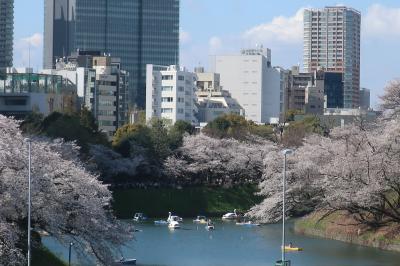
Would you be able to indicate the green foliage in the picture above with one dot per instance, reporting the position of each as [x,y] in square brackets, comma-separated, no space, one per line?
[130,131]
[237,127]
[298,130]
[32,124]
[87,120]
[290,114]
[142,117]
[263,131]
[155,141]
[187,202]
[80,127]
[228,126]
[182,127]
[160,139]
[70,128]
[310,124]
[177,131]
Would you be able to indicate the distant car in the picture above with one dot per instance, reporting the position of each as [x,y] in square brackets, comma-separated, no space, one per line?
[139,217]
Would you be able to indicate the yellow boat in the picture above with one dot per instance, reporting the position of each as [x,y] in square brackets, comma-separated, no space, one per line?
[289,248]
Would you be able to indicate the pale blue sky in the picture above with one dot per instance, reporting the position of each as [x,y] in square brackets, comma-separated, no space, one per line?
[224,26]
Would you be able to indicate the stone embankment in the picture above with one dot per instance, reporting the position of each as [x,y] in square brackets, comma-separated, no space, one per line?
[342,227]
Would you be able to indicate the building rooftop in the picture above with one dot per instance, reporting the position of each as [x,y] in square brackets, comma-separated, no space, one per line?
[334,7]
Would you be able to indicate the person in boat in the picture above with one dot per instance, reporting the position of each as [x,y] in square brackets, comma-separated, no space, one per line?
[209,222]
[290,245]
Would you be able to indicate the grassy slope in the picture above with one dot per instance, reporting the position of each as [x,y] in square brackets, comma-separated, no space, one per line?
[43,257]
[187,202]
[340,226]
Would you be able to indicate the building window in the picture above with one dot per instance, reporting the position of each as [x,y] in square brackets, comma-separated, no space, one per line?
[166,110]
[167,99]
[106,113]
[16,102]
[167,77]
[181,100]
[166,88]
[181,89]
[181,78]
[180,111]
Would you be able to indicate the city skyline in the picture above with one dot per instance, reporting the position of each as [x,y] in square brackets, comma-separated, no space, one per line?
[278,28]
[139,32]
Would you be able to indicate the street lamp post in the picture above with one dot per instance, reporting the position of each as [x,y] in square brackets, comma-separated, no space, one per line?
[29,201]
[285,153]
[69,254]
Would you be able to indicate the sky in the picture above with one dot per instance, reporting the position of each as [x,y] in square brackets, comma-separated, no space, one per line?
[225,26]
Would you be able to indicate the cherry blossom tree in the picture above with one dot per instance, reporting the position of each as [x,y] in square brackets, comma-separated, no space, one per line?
[391,99]
[356,170]
[226,160]
[68,202]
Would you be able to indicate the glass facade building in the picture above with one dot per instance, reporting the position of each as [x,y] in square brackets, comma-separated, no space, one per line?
[139,32]
[334,89]
[6,33]
[332,42]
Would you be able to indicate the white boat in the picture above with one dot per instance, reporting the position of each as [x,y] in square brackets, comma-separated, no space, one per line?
[139,217]
[174,218]
[210,227]
[174,225]
[200,220]
[230,215]
[123,261]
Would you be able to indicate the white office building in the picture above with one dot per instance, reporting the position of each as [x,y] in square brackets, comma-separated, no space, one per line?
[251,79]
[171,94]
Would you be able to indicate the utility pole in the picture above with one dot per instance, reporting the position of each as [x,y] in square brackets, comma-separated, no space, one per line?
[29,201]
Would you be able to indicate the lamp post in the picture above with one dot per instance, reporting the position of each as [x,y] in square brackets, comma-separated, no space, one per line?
[285,153]
[29,201]
[69,254]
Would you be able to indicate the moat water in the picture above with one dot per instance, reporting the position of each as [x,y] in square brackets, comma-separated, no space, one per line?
[233,245]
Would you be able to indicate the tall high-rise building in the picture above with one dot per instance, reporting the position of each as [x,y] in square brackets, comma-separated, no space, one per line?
[139,32]
[332,42]
[6,33]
